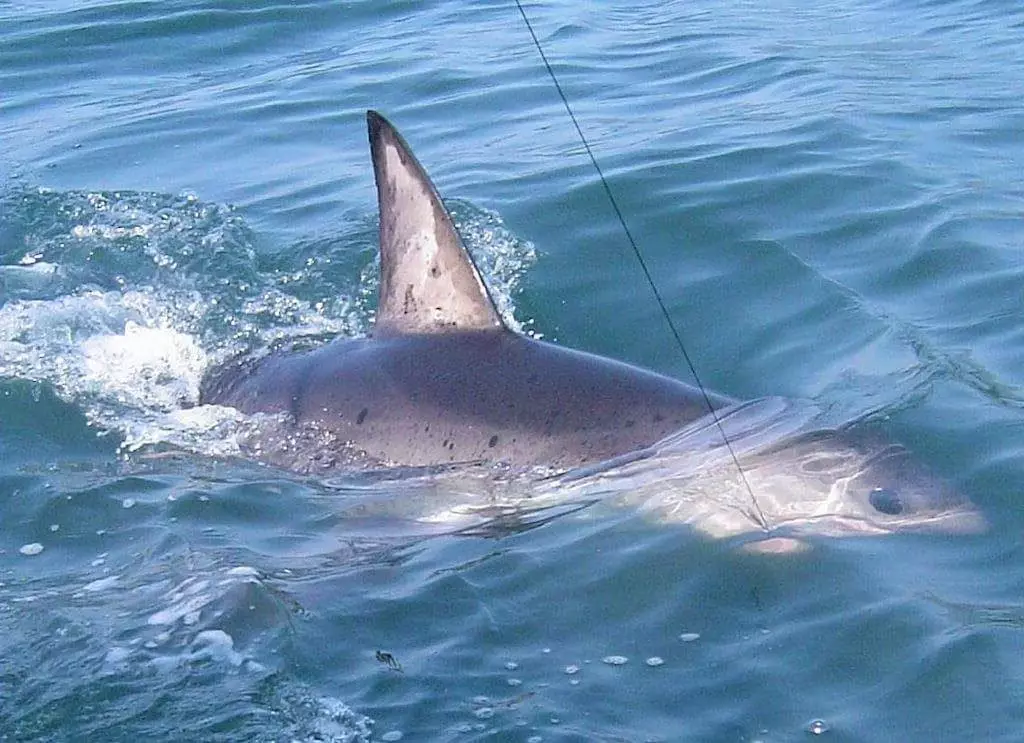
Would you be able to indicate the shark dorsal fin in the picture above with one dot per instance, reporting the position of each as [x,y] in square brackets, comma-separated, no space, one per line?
[428,281]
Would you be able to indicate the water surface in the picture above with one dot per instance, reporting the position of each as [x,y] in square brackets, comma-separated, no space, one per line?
[829,198]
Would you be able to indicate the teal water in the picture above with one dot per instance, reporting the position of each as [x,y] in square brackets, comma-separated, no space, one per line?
[830,200]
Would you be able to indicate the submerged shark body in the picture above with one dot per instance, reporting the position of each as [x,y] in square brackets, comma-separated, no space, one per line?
[443,381]
[780,476]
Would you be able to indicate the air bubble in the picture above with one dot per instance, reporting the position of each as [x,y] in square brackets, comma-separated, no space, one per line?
[817,727]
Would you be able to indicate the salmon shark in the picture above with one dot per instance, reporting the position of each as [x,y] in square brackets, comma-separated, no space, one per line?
[442,380]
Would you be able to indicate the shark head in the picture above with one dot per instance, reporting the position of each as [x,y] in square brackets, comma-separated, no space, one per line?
[850,482]
[789,479]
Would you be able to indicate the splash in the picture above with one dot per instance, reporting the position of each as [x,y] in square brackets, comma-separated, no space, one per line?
[120,301]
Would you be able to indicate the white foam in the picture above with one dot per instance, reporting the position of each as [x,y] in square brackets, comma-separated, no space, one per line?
[212,429]
[187,601]
[215,645]
[335,721]
[116,659]
[244,571]
[145,367]
[108,232]
[101,584]
[115,354]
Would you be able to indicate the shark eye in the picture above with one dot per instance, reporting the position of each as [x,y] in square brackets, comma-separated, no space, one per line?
[886,501]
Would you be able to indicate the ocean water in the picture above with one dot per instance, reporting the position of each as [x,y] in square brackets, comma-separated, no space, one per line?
[830,199]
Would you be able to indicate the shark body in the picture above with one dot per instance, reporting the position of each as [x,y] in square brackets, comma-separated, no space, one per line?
[442,380]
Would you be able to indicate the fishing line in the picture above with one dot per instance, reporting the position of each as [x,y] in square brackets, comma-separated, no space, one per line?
[643,266]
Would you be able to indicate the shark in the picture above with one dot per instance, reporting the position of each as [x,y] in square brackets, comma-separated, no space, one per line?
[442,381]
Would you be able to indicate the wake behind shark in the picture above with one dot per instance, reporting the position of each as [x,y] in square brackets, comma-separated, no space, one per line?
[443,381]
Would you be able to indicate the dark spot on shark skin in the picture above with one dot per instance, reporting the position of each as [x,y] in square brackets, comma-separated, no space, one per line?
[409,303]
[658,417]
[493,441]
[362,416]
[630,423]
[435,271]
[451,446]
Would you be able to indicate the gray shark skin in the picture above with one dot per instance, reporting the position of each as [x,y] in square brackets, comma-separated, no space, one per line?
[442,381]
[469,395]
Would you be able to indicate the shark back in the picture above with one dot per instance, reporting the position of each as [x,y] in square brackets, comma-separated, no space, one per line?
[442,379]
